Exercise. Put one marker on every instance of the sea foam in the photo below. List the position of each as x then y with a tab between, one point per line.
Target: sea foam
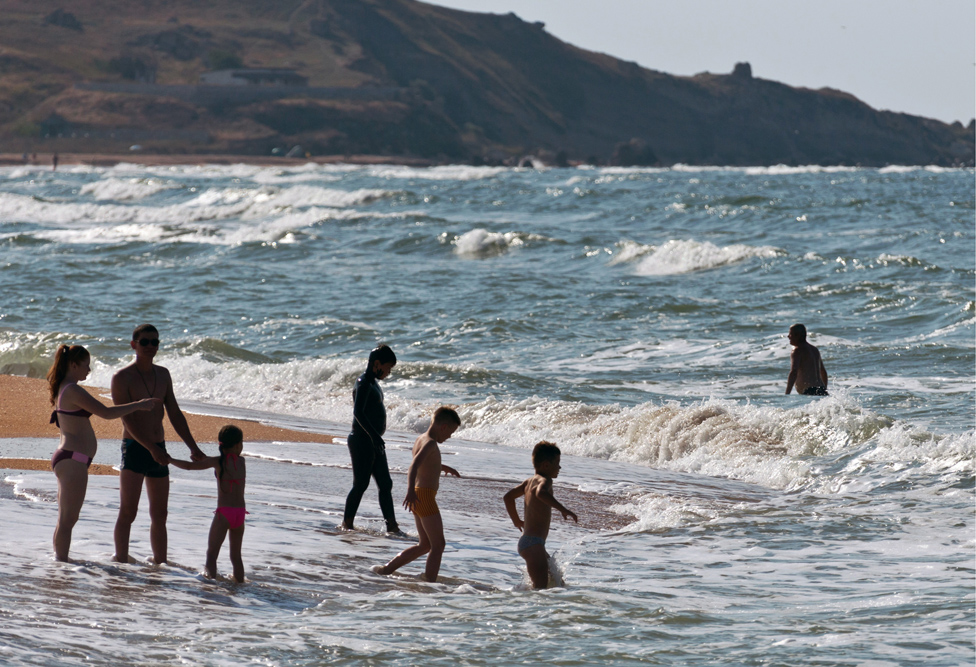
482	243
124	189
686	256
224	215
440	173
766	445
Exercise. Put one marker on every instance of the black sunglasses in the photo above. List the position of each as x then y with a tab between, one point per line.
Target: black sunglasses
149	341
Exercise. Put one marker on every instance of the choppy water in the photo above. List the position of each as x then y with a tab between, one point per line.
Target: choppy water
635	316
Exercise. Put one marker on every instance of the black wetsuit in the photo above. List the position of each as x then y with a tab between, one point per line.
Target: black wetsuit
368	451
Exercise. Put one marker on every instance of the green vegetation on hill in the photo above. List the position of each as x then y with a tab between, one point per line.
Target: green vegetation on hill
402	78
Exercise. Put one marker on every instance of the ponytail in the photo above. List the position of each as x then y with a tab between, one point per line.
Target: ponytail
223	459
65	355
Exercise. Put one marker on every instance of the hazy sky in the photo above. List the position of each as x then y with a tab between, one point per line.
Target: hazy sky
915	56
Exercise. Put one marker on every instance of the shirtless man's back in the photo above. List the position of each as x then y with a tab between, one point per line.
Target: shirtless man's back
807	371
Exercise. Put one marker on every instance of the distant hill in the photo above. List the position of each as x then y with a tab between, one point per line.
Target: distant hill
402	78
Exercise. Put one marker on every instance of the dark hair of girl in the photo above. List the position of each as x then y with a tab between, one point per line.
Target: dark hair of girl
229	436
75	354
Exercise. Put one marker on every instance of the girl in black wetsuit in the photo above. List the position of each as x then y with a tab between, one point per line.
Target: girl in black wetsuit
366	446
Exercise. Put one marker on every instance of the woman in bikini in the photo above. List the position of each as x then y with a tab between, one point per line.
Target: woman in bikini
230	471
73	408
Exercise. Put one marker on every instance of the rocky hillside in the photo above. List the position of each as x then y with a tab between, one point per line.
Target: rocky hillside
402	78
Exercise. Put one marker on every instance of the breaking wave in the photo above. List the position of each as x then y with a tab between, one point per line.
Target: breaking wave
482	243
686	256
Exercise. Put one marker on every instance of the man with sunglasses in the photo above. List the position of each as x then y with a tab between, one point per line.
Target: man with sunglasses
144	457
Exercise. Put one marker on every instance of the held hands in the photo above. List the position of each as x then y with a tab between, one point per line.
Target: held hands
196	454
160	457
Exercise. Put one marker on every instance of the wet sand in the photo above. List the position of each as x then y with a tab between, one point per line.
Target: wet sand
37	464
25	412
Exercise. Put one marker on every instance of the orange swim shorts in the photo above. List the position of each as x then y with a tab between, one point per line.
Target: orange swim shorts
425	505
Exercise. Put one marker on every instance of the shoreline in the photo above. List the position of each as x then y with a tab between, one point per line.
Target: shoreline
25	412
99	159
44	160
45	465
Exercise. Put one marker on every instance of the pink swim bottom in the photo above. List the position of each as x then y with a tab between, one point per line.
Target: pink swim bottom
234	515
62	454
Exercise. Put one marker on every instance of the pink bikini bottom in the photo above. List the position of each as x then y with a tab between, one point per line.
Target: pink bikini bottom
62	454
234	515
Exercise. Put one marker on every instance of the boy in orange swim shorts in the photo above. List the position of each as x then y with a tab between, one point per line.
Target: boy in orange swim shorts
423	480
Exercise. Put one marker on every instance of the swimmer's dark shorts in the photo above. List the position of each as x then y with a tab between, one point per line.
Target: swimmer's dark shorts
137	458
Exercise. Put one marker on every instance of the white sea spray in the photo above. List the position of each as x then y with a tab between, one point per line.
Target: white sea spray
685	256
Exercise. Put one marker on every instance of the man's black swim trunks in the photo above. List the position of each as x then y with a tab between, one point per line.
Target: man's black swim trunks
137	458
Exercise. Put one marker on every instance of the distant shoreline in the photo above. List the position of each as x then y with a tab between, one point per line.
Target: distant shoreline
44	161
150	159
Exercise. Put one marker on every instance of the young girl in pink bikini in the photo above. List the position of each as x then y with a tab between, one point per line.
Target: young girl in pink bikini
230	471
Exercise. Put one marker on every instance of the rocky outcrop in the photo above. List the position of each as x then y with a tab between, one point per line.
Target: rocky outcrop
520	86
634	153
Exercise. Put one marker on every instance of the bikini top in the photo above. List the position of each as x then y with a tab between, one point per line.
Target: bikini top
233	459
72	413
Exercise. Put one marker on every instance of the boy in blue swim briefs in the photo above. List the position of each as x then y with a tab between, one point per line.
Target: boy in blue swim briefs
539	501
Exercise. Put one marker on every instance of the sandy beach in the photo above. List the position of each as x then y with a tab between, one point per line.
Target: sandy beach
25	412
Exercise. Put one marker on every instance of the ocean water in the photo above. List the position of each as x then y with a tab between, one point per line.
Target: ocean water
636	317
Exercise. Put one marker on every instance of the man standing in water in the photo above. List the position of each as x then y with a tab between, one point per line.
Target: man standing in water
807	371
144	456
366	446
